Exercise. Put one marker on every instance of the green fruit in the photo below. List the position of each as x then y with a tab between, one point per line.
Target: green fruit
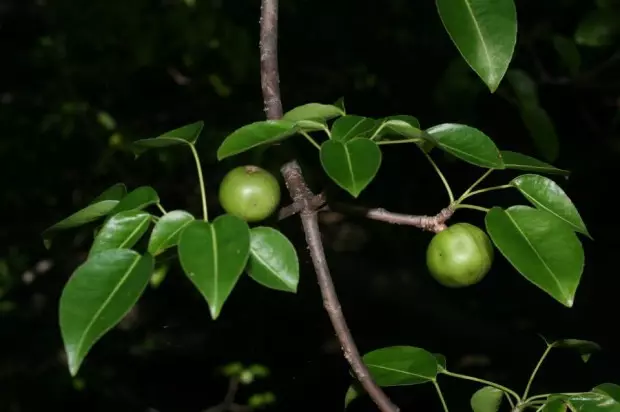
250	193
460	255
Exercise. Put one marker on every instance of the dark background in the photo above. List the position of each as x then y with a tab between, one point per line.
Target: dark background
154	65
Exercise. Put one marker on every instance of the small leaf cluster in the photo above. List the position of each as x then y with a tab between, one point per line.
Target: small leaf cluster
409	365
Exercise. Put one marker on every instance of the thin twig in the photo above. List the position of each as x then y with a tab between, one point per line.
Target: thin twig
301	194
228	404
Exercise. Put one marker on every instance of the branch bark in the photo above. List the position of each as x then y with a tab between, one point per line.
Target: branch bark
303	198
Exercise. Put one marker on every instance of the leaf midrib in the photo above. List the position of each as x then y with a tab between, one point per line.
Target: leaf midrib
370	365
477	26
215	271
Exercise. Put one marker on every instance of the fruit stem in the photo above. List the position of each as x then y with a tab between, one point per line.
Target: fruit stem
472	187
161	208
441	398
473	207
201	183
415	140
536	368
441	176
310	139
484	382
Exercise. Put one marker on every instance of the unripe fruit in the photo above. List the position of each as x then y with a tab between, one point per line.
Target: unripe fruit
250	193
460	255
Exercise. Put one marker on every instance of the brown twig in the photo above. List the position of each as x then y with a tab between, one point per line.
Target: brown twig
228	404
302	197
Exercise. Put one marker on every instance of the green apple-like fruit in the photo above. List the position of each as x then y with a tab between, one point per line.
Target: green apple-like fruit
460	255
250	193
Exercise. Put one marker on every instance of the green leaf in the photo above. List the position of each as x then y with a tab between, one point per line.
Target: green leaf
441	362
555	404
585	347
523	86
401	365
349	127
599	28
486	399
353	393
167	230
314	111
115	192
543	249
352	165
610	389
213	256
340	104
311	125
484	32
273	260
518	161
137	199
255	134
90	213
568	52
547	195
403	126
187	134
592	402
121	231
542	131
96	298
468	144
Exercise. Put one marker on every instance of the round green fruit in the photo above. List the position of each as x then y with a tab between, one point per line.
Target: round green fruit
250	193
460	255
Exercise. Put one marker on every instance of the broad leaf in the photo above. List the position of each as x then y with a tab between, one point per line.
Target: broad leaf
484	32
96	298
90	213
555	404
137	199
314	111
468	144
486	399
349	127
352	165
547	195
518	161
401	365
273	260
593	402
585	347
121	231
255	134
542	131
167	230
311	125
523	86
213	256
610	389
543	249
115	192
402	126
187	134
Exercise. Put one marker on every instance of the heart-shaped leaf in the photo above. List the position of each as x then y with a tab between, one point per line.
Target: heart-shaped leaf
518	161
255	134
121	231
97	296
137	199
542	131
273	260
352	165
484	32
468	144
213	256
585	347
187	134
610	389
401	365
524	87
115	192
350	126
547	195
167	230
543	249
313	111
486	399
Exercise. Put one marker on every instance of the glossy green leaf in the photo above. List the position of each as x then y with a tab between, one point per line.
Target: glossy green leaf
187	134
401	365
121	231
610	389
542	130
585	347
523	86
314	111
484	32
599	28
468	144
402	126
592	402
167	230
311	125
115	192
441	362
568	52
518	161
349	127
547	195
89	214
543	249
255	134
273	260
137	199
352	165
213	256
96	298
555	404
486	399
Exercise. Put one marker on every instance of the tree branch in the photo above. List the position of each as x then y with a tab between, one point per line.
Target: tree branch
302	195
